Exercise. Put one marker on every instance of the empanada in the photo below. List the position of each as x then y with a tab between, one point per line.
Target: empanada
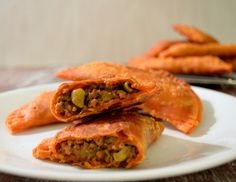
79	99
114	141
198	65
231	61
161	46
193	34
32	114
175	102
191	49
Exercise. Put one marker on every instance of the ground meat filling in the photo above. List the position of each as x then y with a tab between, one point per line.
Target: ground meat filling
107	151
79	100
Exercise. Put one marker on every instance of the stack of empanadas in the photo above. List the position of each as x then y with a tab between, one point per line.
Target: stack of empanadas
200	54
114	115
174	101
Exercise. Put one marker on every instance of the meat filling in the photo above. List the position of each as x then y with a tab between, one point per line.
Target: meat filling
107	151
82	99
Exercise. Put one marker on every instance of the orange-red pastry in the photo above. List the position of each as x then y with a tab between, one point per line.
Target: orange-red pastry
94	70
32	114
79	99
191	49
231	61
194	34
175	102
104	70
114	141
199	65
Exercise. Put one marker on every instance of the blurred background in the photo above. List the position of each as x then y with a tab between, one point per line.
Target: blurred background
71	32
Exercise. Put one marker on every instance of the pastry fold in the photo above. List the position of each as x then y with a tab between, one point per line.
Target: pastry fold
35	113
79	99
114	141
175	102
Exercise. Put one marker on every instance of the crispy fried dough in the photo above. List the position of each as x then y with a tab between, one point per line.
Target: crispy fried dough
61	100
200	65
194	34
177	104
131	129
32	114
231	61
191	49
175	101
161	46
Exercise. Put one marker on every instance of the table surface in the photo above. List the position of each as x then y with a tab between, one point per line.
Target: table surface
12	78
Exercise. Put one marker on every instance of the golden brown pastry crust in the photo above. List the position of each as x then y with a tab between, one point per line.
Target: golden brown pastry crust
199	65
142	93
194	34
132	128
191	49
167	84
32	114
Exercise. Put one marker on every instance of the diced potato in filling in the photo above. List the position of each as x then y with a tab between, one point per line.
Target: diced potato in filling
81	99
107	151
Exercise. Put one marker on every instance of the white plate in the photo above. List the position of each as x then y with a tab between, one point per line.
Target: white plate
212	144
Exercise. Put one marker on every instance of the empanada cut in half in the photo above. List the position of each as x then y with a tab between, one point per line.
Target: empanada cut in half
114	141
175	101
80	99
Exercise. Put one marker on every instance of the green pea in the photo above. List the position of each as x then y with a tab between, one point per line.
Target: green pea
122	154
106	96
107	155
109	139
127	87
78	97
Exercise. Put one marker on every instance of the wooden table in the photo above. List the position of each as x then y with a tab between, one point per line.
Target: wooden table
12	78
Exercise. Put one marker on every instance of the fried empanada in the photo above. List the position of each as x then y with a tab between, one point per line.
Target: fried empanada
194	34
199	65
191	49
180	92
176	103
231	61
104	70
115	141
32	114
161	46
79	99
95	70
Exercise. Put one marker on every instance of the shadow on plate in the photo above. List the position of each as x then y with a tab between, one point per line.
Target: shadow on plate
170	151
208	120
